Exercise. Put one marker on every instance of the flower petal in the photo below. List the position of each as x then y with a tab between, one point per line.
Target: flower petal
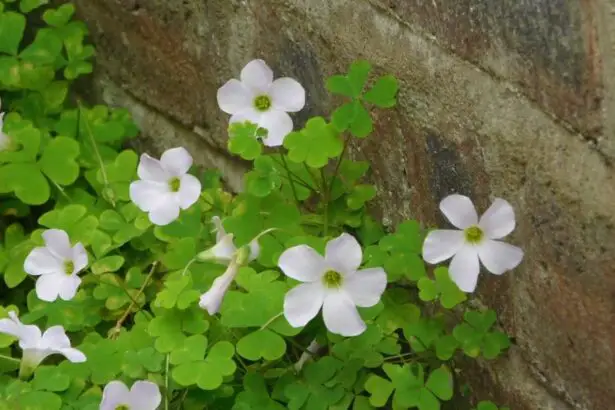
218	228
40	261
55	338
57	241
257	76
73	355
499	257
150	169
249	114
11	326
366	286
499	220
341	316
114	394
48	286
302	303
212	299
147	195
344	254
189	191
464	269
278	125
441	244
302	263
69	287
165	212
144	395
176	161
459	210
80	257
287	95
28	335
234	97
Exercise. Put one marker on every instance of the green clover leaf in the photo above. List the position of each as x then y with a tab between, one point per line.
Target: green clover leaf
442	287
475	335
383	92
264	178
255	395
51	379
261	344
58	160
60	16
350	85
312	391
12	26
243	140
314	144
207	374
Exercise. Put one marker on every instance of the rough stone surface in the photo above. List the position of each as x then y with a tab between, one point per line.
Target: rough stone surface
509	98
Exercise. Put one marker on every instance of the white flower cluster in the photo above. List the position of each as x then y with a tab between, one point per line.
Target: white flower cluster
333	283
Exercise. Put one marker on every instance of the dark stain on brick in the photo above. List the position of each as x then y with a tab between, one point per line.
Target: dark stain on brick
447	174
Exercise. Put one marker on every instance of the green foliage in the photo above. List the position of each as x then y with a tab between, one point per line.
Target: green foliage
136	313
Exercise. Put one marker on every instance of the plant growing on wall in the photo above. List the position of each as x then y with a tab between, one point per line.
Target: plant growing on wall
137	282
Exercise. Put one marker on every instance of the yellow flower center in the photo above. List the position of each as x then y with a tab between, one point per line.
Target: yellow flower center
473	234
332	279
122	407
174	184
262	103
69	267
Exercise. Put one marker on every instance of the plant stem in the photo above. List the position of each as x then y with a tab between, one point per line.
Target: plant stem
9	358
103	171
290	181
166	384
121	320
325	200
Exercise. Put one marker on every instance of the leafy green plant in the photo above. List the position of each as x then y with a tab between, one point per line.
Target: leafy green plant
126	279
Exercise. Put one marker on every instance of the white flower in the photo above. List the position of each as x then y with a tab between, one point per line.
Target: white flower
143	395
56	264
260	100
475	240
333	283
165	185
36	346
225	251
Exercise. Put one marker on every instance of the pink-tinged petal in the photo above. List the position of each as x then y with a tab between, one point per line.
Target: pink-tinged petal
176	161
499	220
57	241
148	195
499	257
212	299
278	125
55	338
73	355
287	95
40	261
114	394
48	286
344	254
341	315
366	286
234	97
69	287
464	269
150	169
257	76
165	212
145	395
302	303
459	210
189	191
441	245
302	263
80	257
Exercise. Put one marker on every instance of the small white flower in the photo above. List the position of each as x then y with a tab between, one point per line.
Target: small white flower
257	98
36	346
225	251
475	240
333	283
56	264
165	186
143	395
